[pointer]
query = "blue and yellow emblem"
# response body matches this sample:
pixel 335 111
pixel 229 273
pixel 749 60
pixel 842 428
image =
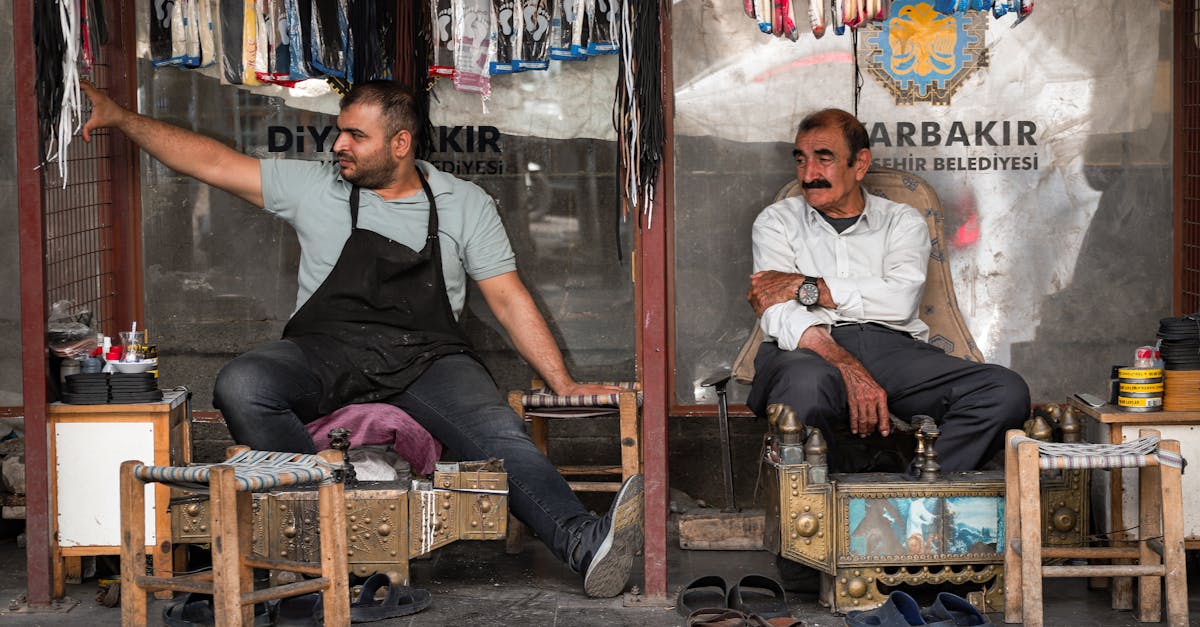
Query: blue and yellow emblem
pixel 921 55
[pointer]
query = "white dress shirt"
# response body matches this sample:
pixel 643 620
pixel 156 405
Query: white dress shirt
pixel 875 269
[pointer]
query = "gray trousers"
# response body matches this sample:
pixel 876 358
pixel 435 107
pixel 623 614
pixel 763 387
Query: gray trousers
pixel 973 404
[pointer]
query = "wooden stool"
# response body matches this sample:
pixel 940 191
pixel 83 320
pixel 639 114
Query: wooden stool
pixel 539 405
pixel 231 581
pixel 1159 550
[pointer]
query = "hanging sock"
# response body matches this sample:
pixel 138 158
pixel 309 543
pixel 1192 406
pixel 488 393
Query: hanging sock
pixel 566 14
pixel 836 9
pixel 472 38
pixel 816 17
pixel 506 33
pixel 765 10
pixel 783 24
pixel 160 30
pixel 232 13
pixel 298 15
pixel 748 8
pixel 534 20
pixel 328 49
pixel 204 26
pixel 605 24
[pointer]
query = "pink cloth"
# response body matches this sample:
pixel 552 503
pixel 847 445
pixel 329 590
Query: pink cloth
pixel 380 423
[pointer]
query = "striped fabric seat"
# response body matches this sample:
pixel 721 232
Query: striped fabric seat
pixel 543 398
pixel 254 471
pixel 1079 455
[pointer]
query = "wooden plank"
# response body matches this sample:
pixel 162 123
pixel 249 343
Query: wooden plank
pixel 1030 504
pixel 1012 531
pixel 722 531
pixel 1149 609
pixel 1109 413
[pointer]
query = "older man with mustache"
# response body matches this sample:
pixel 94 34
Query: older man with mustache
pixel 837 285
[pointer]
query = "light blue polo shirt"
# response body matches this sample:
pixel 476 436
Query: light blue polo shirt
pixel 312 197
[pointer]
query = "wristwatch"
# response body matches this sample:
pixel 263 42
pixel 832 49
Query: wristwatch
pixel 808 293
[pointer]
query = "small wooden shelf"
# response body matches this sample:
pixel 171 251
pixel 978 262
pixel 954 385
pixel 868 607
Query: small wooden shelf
pixel 1112 414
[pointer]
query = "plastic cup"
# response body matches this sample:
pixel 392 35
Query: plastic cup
pixel 133 345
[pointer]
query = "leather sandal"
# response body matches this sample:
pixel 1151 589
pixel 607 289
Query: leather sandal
pixel 717 617
pixel 759 595
pixel 709 591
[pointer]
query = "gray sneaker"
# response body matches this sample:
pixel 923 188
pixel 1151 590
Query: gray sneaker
pixel 613 541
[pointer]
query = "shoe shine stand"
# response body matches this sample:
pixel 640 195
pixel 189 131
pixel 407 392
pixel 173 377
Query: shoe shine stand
pixel 862 530
pixel 387 522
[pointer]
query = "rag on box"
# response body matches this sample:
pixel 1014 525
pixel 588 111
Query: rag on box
pixel 380 423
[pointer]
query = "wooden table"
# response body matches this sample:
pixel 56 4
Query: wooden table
pixel 87 445
pixel 1108 424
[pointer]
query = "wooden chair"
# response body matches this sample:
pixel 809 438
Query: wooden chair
pixel 539 406
pixel 230 582
pixel 938 309
pixel 1157 556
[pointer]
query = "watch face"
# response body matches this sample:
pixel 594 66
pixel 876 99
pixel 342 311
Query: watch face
pixel 808 294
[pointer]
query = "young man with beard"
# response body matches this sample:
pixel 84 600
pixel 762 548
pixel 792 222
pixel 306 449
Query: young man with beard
pixel 837 286
pixel 387 243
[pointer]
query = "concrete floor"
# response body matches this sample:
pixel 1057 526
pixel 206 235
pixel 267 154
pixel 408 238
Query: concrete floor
pixel 475 583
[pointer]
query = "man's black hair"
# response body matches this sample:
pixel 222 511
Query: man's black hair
pixel 401 109
pixel 853 130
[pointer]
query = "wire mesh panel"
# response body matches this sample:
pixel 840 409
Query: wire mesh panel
pixel 80 238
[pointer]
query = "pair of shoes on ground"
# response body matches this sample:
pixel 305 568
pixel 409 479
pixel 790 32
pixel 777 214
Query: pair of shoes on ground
pixel 753 600
pixel 901 610
pixel 728 617
pixel 608 546
pixel 196 610
pixel 399 600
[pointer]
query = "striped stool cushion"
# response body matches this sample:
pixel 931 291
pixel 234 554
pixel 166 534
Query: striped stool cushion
pixel 1055 455
pixel 253 471
pixel 543 398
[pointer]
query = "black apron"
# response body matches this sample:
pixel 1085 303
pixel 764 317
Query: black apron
pixel 380 318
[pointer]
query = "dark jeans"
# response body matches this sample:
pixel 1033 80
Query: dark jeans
pixel 973 404
pixel 268 394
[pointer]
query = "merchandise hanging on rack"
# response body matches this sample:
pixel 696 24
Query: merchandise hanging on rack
pixel 534 20
pixel 442 54
pixel 279 42
pixel 775 17
pixel 66 33
pixel 472 45
pixel 637 112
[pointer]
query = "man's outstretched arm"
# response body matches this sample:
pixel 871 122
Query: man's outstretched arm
pixel 508 299
pixel 192 154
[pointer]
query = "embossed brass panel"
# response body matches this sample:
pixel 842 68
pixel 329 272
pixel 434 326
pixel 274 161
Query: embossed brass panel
pixel 386 523
pixel 805 530
pixel 814 524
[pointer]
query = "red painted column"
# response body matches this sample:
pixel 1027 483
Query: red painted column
pixel 654 258
pixel 31 227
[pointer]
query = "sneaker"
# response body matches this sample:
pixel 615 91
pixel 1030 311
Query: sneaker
pixel 610 544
